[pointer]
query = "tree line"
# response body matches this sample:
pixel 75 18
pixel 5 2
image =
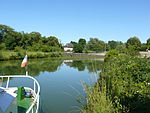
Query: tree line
pixel 96 45
pixel 34 41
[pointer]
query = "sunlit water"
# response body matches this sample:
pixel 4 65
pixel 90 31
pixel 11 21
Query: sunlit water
pixel 60 81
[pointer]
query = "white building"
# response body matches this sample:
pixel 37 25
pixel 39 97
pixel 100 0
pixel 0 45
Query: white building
pixel 68 47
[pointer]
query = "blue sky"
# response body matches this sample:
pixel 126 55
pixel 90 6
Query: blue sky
pixel 70 20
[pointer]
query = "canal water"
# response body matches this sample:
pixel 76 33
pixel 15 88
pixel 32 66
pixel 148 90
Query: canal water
pixel 60 80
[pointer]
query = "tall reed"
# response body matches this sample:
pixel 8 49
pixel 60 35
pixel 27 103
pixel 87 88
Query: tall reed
pixel 97 100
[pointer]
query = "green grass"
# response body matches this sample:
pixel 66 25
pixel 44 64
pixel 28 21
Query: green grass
pixel 97 100
pixel 11 55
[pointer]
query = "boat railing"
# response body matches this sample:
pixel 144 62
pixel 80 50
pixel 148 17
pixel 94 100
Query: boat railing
pixel 35 89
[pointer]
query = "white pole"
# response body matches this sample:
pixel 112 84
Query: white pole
pixel 34 87
pixel 26 73
pixel 7 83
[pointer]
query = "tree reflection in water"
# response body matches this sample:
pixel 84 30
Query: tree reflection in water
pixel 35 66
pixel 81 65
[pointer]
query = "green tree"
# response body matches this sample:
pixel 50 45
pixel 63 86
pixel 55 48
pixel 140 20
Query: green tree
pixel 12 40
pixel 96 45
pixel 78 48
pixel 4 30
pixel 121 48
pixel 52 41
pixel 82 42
pixel 112 44
pixel 73 42
pixel 134 42
pixel 148 41
pixel 143 47
pixel 35 37
pixel 33 41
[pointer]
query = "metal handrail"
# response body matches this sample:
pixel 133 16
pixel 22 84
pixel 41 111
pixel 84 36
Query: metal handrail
pixel 36 99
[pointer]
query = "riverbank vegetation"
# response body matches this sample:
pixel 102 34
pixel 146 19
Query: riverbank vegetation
pixel 34 41
pixel 123 86
pixel 94 45
pixel 14 45
pixel 11 55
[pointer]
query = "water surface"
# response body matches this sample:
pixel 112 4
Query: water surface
pixel 60 81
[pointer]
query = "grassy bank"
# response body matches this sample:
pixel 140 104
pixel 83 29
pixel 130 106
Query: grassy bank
pixel 10 55
pixel 123 87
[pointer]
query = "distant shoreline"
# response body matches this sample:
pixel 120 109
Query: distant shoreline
pixel 142 53
pixel 20 55
pixel 84 54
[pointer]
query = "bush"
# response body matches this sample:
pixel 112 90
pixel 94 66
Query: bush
pixel 123 86
pixel 18 49
pixel 131 51
pixel 127 81
pixel 144 47
pixel 2 46
pixel 110 54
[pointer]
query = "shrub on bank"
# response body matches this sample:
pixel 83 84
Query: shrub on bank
pixel 110 54
pixel 127 79
pixel 123 86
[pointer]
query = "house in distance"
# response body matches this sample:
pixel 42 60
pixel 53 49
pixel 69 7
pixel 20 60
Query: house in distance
pixel 68 47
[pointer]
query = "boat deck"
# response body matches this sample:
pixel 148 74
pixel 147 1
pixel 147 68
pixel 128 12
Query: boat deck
pixel 21 99
pixel 24 104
